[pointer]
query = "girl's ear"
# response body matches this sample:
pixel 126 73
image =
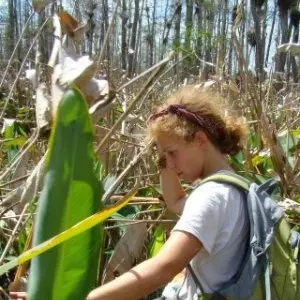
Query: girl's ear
pixel 201 138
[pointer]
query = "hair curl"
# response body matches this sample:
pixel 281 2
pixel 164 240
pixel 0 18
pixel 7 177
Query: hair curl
pixel 231 130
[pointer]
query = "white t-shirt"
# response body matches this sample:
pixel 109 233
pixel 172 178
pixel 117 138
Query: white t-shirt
pixel 215 213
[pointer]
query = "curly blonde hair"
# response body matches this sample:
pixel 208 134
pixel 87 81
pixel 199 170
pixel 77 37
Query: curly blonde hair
pixel 226 132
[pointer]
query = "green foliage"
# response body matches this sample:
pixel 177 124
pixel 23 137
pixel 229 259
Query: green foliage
pixel 288 141
pixel 26 114
pixel 21 241
pixel 70 194
pixel 150 191
pixel 14 138
pixel 158 240
pixel 237 161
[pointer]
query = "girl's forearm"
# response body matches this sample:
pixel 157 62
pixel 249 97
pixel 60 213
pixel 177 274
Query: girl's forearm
pixel 172 190
pixel 139 281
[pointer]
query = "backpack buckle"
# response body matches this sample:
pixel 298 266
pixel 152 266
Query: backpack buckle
pixel 296 257
pixel 258 251
pixel 295 244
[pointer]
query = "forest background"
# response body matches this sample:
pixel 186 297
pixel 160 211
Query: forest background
pixel 143 51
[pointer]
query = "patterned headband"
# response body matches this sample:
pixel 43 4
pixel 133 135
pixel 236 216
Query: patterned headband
pixel 213 128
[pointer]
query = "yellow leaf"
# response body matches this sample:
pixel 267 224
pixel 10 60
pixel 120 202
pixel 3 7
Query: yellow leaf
pixel 69 233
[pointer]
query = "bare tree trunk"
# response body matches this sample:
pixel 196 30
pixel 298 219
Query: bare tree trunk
pixel 114 47
pixel 223 37
pixel 124 33
pixel 166 31
pixel 271 33
pixel 176 42
pixel 259 57
pixel 198 17
pixel 178 5
pixel 90 25
pixel 80 47
pixel 10 33
pixel 77 11
pixel 149 39
pixel 27 36
pixel 18 24
pixel 293 60
pixel 42 44
pixel 283 15
pixel 230 53
pixel 129 26
pixel 153 44
pixel 243 28
pixel 102 27
pixel 219 42
pixel 208 47
pixel 1 47
pixel 105 28
pixel 188 35
pixel 139 41
pixel 49 29
pixel 132 51
pixel 264 30
pixel 148 36
pixel 188 24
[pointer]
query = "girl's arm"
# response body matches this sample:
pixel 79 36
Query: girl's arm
pixel 148 276
pixel 173 193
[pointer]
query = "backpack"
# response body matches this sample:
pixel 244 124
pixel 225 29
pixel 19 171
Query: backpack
pixel 270 267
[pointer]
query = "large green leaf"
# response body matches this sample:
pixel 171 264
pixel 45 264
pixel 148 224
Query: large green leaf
pixel 71 193
pixel 70 233
pixel 158 240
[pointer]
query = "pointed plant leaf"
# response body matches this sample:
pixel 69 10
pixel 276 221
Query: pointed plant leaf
pixel 18 141
pixel 68 234
pixel 71 193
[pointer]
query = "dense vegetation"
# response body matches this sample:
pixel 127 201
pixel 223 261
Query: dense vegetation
pixel 141 51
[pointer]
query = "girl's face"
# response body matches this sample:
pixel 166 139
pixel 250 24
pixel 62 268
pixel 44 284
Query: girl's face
pixel 185 158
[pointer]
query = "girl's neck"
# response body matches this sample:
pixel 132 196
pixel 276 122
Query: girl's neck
pixel 215 163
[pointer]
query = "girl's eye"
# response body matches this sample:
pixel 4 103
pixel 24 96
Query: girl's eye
pixel 171 153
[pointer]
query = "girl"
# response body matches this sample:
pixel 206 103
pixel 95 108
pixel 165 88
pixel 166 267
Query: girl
pixel 193 135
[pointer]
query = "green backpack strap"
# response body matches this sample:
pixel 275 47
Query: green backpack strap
pixel 244 184
pixel 229 177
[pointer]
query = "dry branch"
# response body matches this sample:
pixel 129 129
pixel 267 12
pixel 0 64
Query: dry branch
pixel 121 177
pixel 13 235
pixel 279 159
pixel 143 90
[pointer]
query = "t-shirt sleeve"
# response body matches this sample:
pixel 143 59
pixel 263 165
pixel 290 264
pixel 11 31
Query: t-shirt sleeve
pixel 203 215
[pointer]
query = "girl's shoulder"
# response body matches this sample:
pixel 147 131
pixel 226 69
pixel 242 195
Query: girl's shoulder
pixel 215 192
pixel 214 187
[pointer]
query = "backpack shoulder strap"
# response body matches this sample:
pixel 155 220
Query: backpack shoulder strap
pixel 229 177
pixel 240 183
